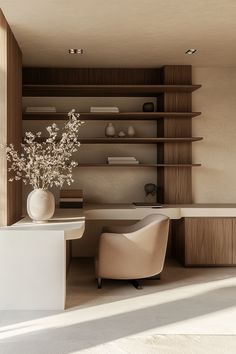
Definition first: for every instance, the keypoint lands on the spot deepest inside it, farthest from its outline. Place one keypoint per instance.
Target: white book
(71, 199)
(104, 109)
(40, 109)
(123, 162)
(114, 158)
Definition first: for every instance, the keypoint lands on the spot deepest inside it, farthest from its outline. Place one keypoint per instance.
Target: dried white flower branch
(48, 163)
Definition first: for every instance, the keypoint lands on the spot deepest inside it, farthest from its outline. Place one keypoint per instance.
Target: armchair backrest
(149, 237)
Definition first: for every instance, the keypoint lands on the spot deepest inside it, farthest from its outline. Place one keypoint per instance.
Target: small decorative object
(110, 130)
(150, 192)
(148, 107)
(45, 164)
(121, 134)
(131, 131)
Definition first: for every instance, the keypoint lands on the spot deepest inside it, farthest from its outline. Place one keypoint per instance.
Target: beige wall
(215, 181)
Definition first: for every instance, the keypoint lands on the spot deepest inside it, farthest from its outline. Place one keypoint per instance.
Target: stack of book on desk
(126, 160)
(40, 109)
(71, 198)
(104, 109)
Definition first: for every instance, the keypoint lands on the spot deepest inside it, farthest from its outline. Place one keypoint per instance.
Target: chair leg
(136, 284)
(99, 283)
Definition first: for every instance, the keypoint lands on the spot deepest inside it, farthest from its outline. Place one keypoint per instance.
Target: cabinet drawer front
(209, 241)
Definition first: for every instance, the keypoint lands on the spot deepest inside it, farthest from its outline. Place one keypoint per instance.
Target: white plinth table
(33, 263)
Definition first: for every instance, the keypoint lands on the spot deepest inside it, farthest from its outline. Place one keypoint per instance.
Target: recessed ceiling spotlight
(191, 51)
(75, 51)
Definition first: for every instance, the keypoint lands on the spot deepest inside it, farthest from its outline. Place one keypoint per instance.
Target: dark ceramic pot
(148, 107)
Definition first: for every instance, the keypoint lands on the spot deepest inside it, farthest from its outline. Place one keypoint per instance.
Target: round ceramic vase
(40, 205)
(148, 107)
(131, 131)
(110, 130)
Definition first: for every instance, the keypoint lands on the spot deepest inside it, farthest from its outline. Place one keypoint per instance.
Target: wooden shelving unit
(112, 116)
(171, 85)
(103, 90)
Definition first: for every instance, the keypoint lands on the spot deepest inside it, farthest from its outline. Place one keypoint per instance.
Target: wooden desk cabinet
(205, 241)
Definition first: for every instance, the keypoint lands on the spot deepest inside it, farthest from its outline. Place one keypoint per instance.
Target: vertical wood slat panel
(91, 76)
(3, 119)
(205, 241)
(208, 241)
(177, 182)
(177, 74)
(10, 119)
(178, 101)
(14, 121)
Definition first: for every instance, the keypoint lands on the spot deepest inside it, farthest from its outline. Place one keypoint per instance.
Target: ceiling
(124, 33)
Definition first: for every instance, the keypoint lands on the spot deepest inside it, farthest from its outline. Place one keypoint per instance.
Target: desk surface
(130, 212)
(173, 211)
(65, 219)
(72, 224)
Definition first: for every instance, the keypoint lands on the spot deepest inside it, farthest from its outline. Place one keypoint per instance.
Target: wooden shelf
(111, 116)
(103, 90)
(133, 140)
(136, 140)
(137, 165)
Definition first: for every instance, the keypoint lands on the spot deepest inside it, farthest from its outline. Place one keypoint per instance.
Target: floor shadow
(82, 335)
(82, 287)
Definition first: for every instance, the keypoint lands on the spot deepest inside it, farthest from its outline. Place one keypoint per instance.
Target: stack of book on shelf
(40, 109)
(104, 109)
(126, 160)
(71, 198)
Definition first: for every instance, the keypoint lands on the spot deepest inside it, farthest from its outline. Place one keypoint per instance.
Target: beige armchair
(133, 252)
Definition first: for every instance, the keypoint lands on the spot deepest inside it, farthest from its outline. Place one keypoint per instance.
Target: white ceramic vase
(110, 130)
(40, 205)
(131, 131)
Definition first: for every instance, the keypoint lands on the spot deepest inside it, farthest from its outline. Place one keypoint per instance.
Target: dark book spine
(71, 205)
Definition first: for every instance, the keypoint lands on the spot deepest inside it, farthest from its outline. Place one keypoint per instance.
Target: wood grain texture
(106, 90)
(175, 153)
(177, 128)
(11, 117)
(3, 119)
(208, 241)
(178, 101)
(177, 183)
(14, 121)
(91, 76)
(177, 74)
